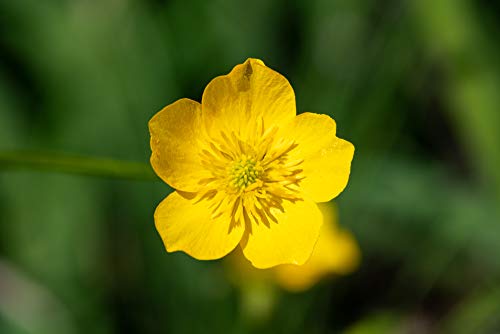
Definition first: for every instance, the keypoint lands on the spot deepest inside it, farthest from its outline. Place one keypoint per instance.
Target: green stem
(74, 164)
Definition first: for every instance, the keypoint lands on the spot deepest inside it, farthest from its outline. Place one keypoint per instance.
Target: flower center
(252, 178)
(244, 172)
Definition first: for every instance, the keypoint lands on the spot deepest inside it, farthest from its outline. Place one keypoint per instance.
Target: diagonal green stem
(74, 164)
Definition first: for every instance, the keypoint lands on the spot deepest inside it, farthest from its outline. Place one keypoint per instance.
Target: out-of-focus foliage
(413, 84)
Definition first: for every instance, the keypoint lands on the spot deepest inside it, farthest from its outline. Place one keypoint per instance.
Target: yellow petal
(335, 252)
(175, 147)
(186, 225)
(291, 240)
(250, 94)
(327, 159)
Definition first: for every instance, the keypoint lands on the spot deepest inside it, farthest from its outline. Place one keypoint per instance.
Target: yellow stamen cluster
(250, 178)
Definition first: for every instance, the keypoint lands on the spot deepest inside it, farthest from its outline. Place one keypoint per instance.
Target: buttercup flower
(246, 169)
(335, 253)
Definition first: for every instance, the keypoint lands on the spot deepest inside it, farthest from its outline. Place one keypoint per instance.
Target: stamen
(250, 178)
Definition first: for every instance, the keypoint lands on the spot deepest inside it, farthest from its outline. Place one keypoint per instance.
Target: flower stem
(74, 164)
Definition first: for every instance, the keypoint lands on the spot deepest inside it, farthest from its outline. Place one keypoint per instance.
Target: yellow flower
(246, 169)
(336, 252)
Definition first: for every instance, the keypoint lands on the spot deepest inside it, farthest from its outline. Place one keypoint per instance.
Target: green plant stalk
(74, 164)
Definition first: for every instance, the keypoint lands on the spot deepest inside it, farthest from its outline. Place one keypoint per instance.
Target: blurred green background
(414, 84)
